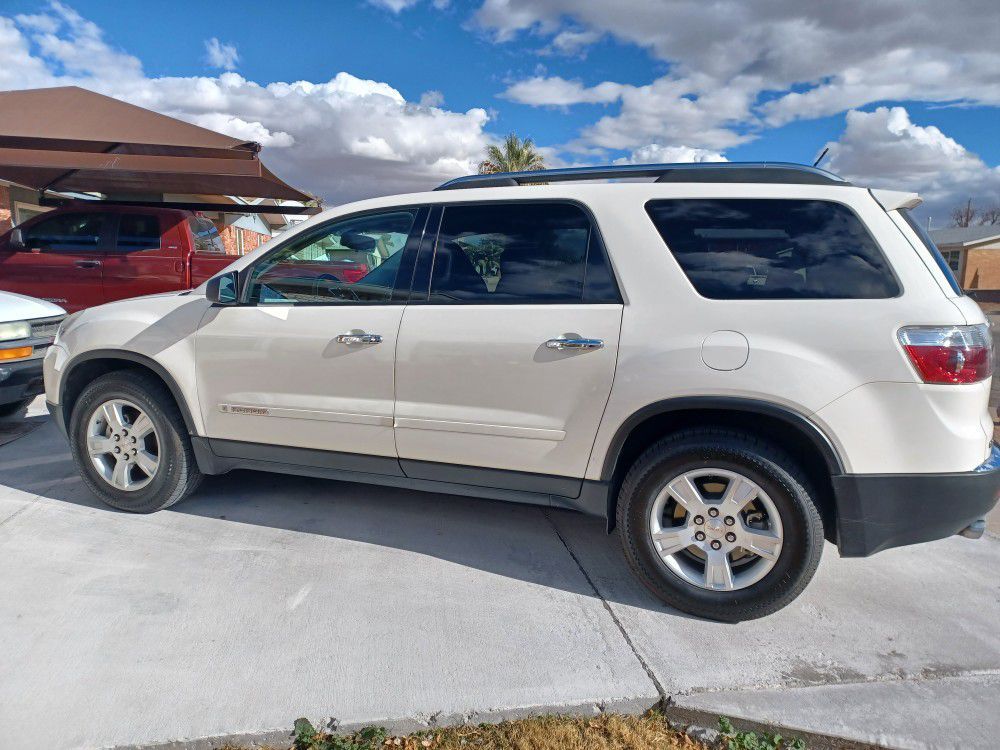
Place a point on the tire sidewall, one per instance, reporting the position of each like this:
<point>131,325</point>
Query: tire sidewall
<point>798,546</point>
<point>154,495</point>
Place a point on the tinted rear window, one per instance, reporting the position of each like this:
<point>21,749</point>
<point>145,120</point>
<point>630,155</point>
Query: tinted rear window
<point>528,252</point>
<point>138,232</point>
<point>773,249</point>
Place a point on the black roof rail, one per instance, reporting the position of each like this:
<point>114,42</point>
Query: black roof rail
<point>722,171</point>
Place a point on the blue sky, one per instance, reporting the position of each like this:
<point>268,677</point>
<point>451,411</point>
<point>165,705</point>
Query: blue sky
<point>893,88</point>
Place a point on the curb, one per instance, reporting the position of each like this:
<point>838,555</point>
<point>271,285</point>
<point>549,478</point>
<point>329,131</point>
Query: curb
<point>282,737</point>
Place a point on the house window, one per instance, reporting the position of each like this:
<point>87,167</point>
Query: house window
<point>953,258</point>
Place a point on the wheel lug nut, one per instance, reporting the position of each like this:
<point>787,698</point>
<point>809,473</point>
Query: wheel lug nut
<point>699,520</point>
<point>133,440</point>
<point>125,432</point>
<point>716,544</point>
<point>730,537</point>
<point>117,449</point>
<point>700,536</point>
<point>713,512</point>
<point>117,437</point>
<point>729,519</point>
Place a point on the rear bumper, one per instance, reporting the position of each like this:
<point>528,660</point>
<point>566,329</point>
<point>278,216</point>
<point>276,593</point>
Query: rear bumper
<point>881,511</point>
<point>20,380</point>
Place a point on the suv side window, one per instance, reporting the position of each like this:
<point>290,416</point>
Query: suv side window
<point>762,248</point>
<point>138,232</point>
<point>353,261</point>
<point>66,232</point>
<point>528,252</point>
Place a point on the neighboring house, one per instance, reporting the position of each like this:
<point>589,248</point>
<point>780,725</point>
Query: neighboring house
<point>973,253</point>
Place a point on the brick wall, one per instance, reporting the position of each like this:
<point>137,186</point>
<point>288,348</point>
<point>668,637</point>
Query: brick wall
<point>5,209</point>
<point>251,240</point>
<point>981,268</point>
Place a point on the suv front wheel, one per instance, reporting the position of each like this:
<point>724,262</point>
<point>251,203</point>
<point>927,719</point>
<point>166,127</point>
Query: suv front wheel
<point>130,443</point>
<point>720,524</point>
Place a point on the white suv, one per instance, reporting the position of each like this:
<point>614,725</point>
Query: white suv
<point>729,363</point>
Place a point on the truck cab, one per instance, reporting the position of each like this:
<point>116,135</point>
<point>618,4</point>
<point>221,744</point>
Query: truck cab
<point>80,256</point>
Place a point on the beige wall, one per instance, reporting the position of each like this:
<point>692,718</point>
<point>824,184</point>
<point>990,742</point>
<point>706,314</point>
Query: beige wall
<point>980,267</point>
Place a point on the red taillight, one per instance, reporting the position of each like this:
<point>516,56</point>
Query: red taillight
<point>949,354</point>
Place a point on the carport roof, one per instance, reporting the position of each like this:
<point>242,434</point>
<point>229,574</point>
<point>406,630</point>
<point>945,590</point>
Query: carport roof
<point>72,139</point>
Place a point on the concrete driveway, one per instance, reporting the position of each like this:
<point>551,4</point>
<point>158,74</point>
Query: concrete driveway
<point>267,597</point>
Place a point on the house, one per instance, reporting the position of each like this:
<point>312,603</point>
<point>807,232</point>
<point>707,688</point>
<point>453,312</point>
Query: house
<point>973,253</point>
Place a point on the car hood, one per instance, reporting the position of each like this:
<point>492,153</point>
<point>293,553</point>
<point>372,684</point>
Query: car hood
<point>19,307</point>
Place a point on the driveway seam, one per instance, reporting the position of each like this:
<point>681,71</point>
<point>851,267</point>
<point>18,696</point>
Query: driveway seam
<point>607,606</point>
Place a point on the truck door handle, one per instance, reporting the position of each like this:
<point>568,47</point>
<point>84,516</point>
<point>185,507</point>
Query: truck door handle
<point>359,338</point>
<point>88,264</point>
<point>562,343</point>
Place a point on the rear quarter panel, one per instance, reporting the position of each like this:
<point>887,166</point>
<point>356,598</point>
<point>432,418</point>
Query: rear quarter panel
<point>804,354</point>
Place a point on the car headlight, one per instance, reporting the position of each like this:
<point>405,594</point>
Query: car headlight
<point>19,329</point>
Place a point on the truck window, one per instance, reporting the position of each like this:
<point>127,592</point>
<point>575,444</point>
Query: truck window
<point>66,232</point>
<point>138,232</point>
<point>206,236</point>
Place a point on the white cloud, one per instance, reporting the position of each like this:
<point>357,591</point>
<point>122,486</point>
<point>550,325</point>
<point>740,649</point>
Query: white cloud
<point>396,6</point>
<point>655,153</point>
<point>573,42</point>
<point>886,149</point>
<point>431,98</point>
<point>558,92</point>
<point>342,139</point>
<point>739,66</point>
<point>221,55</point>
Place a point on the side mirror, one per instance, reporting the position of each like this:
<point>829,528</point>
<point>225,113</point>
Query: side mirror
<point>224,288</point>
<point>16,241</point>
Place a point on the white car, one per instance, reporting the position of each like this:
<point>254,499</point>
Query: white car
<point>27,328</point>
<point>729,363</point>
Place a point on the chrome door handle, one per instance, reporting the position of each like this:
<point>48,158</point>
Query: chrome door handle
<point>88,264</point>
<point>356,339</point>
<point>574,344</point>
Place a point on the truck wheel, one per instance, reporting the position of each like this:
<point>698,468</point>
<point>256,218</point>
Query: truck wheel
<point>720,524</point>
<point>130,443</point>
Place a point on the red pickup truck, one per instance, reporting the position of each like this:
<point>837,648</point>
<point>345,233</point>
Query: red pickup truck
<point>81,256</point>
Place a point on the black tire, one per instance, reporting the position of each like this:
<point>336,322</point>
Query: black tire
<point>177,476</point>
<point>762,462</point>
<point>16,409</point>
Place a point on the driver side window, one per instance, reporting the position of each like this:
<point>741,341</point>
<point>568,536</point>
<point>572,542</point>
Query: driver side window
<point>353,261</point>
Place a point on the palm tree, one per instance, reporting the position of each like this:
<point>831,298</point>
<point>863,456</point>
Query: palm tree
<point>514,155</point>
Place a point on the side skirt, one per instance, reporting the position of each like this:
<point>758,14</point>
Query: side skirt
<point>221,456</point>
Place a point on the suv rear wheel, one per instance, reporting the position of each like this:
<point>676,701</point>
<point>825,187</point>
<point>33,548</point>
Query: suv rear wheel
<point>130,443</point>
<point>720,524</point>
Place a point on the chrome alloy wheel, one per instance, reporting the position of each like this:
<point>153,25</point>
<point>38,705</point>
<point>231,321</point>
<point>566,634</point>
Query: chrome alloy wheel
<point>716,529</point>
<point>123,445</point>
